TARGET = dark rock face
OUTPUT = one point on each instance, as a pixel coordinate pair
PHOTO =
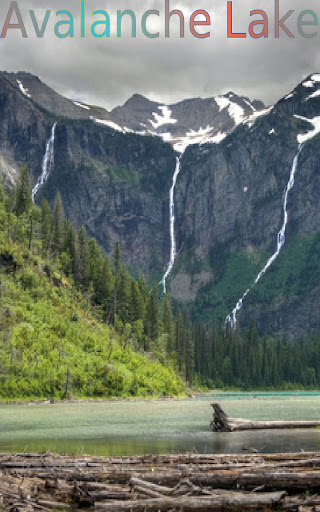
(117, 186)
(228, 198)
(50, 100)
(23, 132)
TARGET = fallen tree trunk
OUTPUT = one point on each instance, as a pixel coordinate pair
(175, 483)
(223, 423)
(238, 501)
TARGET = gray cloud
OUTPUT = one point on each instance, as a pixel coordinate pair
(108, 71)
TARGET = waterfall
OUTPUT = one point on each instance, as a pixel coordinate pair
(173, 249)
(281, 240)
(47, 164)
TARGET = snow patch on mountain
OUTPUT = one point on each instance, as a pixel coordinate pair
(315, 94)
(222, 102)
(23, 89)
(313, 80)
(77, 104)
(163, 119)
(110, 124)
(202, 136)
(312, 133)
(249, 104)
(236, 112)
(250, 120)
(289, 96)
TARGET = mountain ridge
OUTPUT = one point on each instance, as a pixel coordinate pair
(227, 200)
(144, 116)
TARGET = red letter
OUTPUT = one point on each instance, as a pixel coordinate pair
(230, 33)
(193, 23)
(280, 23)
(14, 7)
(263, 22)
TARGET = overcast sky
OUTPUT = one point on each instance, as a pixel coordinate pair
(108, 71)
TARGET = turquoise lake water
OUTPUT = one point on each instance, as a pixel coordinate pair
(163, 426)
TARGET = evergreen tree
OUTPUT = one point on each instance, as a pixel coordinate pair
(124, 295)
(152, 315)
(83, 255)
(168, 324)
(180, 342)
(58, 235)
(189, 357)
(71, 247)
(33, 221)
(117, 258)
(23, 192)
(136, 305)
(104, 288)
(46, 226)
(94, 264)
(144, 293)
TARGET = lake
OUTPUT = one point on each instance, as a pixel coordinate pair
(158, 426)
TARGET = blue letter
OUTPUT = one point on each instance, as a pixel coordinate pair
(301, 23)
(70, 32)
(144, 24)
(83, 14)
(40, 32)
(134, 23)
(97, 23)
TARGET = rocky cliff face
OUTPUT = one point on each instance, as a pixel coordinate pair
(230, 209)
(228, 198)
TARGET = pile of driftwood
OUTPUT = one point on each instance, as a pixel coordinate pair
(34, 482)
(223, 423)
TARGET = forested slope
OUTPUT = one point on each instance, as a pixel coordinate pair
(60, 335)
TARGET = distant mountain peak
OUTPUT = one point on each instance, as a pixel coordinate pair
(138, 100)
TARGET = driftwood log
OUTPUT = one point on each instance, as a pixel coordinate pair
(175, 483)
(223, 423)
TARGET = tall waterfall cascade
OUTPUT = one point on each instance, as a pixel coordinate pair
(47, 164)
(173, 245)
(281, 240)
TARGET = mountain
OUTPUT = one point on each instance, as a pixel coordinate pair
(230, 199)
(190, 121)
(194, 120)
(33, 88)
(242, 183)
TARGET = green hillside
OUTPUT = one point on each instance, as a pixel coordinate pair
(55, 339)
